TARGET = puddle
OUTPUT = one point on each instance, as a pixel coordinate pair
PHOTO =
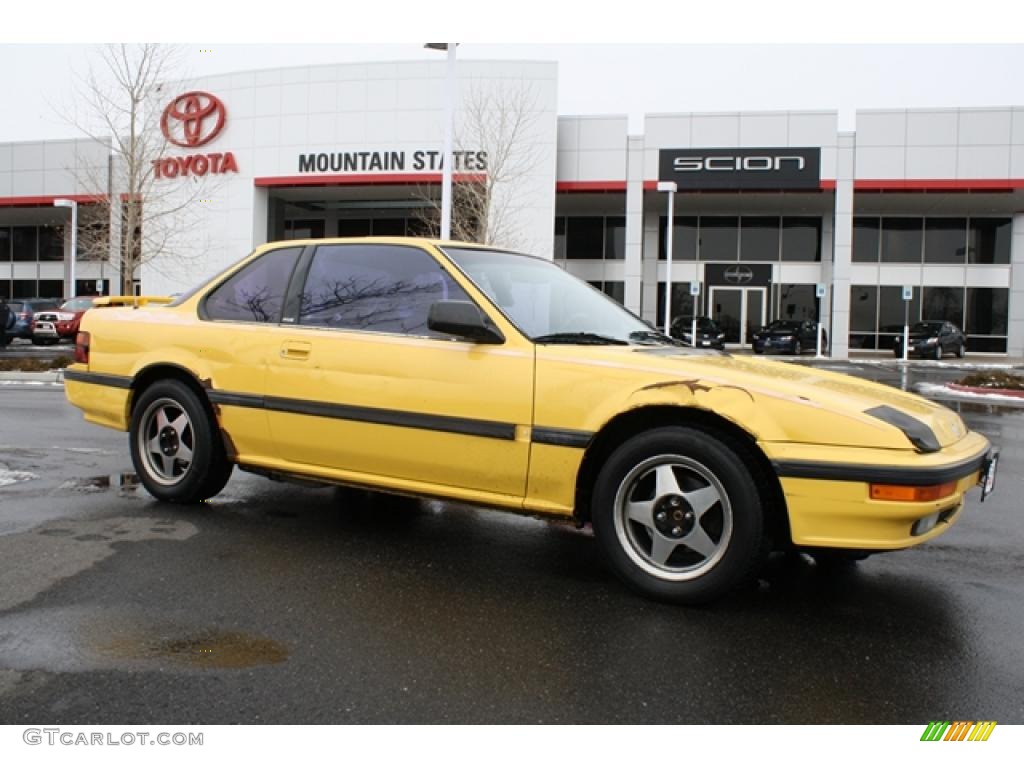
(126, 484)
(206, 649)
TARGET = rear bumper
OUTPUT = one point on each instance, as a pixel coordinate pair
(103, 400)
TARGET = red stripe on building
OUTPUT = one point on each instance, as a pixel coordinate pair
(938, 185)
(592, 186)
(27, 200)
(363, 179)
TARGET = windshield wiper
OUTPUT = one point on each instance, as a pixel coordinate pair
(656, 336)
(577, 337)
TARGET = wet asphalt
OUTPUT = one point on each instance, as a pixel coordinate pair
(281, 604)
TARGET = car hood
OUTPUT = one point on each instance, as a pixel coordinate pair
(787, 402)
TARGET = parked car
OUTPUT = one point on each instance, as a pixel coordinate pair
(792, 336)
(52, 325)
(24, 311)
(932, 338)
(709, 334)
(461, 372)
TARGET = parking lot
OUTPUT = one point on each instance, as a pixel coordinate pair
(277, 603)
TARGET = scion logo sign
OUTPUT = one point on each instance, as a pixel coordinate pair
(742, 168)
(192, 120)
(738, 275)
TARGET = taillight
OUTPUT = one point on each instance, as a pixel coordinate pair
(82, 347)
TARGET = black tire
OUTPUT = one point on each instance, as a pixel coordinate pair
(169, 417)
(659, 559)
(938, 352)
(961, 351)
(798, 348)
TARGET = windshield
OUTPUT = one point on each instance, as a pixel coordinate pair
(926, 328)
(543, 300)
(784, 325)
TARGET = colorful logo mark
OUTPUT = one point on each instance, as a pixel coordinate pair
(959, 730)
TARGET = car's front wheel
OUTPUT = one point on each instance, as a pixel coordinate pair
(175, 448)
(678, 514)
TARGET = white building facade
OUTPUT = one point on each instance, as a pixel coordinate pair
(777, 215)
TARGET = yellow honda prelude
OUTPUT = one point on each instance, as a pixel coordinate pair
(463, 372)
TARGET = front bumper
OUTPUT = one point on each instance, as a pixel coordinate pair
(830, 505)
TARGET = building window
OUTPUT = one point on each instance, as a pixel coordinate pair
(988, 241)
(866, 239)
(684, 238)
(801, 238)
(51, 243)
(354, 227)
(24, 289)
(719, 238)
(863, 316)
(901, 240)
(944, 303)
(759, 238)
(5, 244)
(945, 241)
(615, 289)
(51, 289)
(301, 229)
(682, 303)
(24, 241)
(584, 237)
(615, 237)
(797, 302)
(559, 237)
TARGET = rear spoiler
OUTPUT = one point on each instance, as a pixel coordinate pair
(130, 301)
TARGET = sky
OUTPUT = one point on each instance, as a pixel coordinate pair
(632, 60)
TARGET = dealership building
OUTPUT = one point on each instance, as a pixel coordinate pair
(775, 214)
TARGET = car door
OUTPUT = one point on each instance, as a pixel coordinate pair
(235, 339)
(359, 385)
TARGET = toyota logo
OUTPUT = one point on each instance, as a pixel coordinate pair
(193, 119)
(738, 275)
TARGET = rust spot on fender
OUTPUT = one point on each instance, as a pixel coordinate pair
(694, 386)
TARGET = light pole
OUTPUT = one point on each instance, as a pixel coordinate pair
(449, 130)
(63, 202)
(670, 187)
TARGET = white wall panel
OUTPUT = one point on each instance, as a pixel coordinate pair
(882, 128)
(28, 156)
(931, 162)
(880, 162)
(932, 127)
(983, 162)
(984, 126)
(715, 130)
(602, 133)
(764, 129)
(813, 129)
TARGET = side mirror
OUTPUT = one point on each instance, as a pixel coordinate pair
(464, 320)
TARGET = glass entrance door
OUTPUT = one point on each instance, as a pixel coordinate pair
(739, 312)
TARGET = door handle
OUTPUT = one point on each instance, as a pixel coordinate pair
(296, 350)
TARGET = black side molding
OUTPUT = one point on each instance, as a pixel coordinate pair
(864, 473)
(103, 379)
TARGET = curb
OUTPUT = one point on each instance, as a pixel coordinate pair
(21, 377)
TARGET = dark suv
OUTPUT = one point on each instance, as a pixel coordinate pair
(793, 336)
(932, 338)
(24, 310)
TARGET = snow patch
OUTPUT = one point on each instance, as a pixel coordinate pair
(941, 390)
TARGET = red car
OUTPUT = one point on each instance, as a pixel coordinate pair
(52, 325)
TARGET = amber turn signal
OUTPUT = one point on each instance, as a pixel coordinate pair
(82, 347)
(912, 492)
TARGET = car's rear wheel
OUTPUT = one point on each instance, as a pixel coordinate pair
(175, 448)
(798, 348)
(961, 351)
(678, 514)
(938, 352)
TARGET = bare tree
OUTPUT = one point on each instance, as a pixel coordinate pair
(496, 127)
(139, 218)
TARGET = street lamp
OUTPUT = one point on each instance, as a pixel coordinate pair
(670, 187)
(63, 202)
(449, 129)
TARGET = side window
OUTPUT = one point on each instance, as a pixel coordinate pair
(255, 293)
(382, 288)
